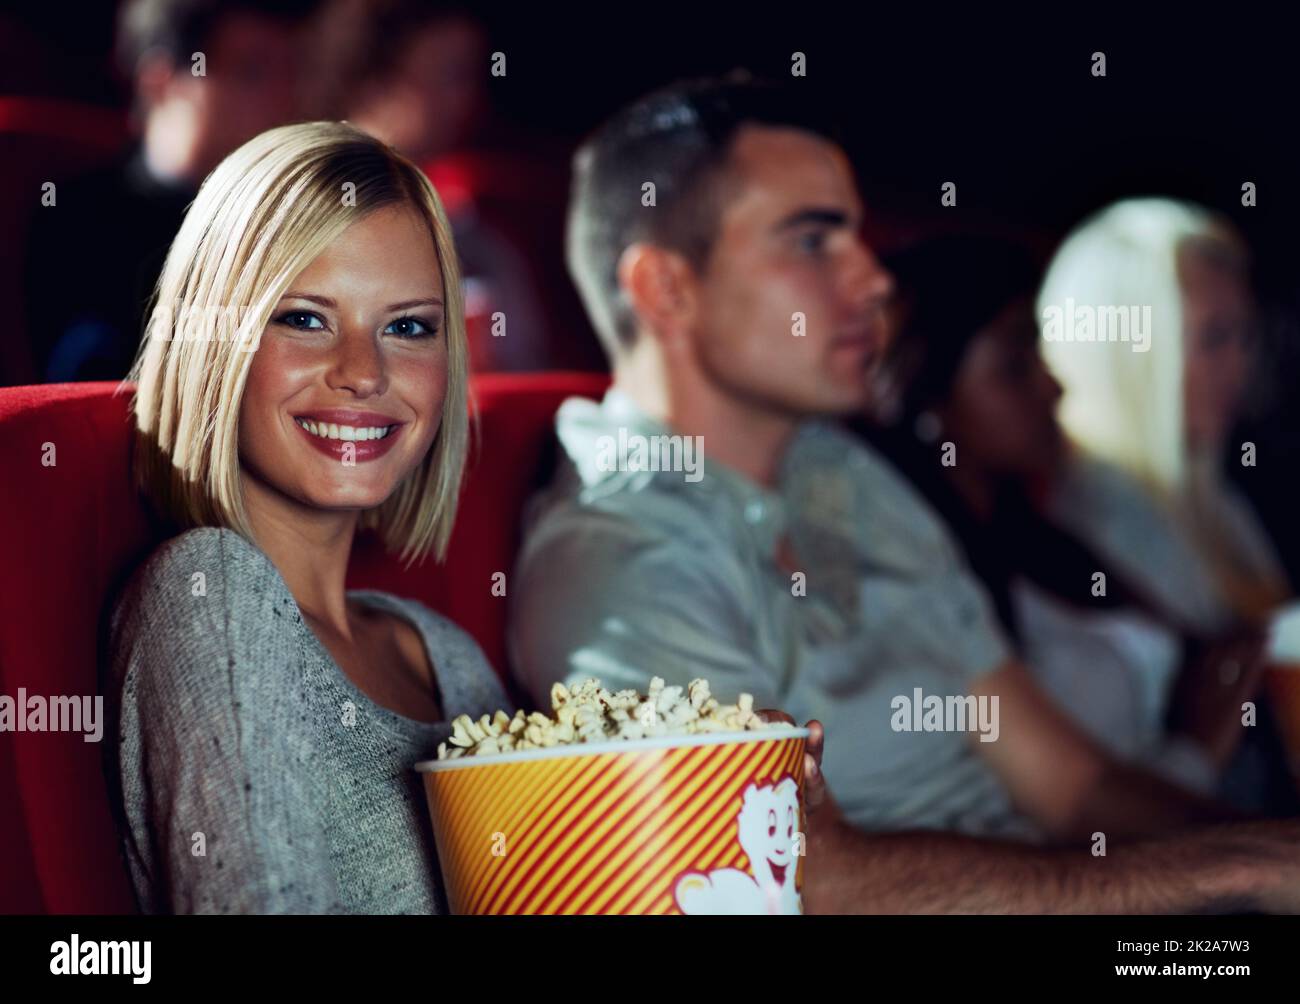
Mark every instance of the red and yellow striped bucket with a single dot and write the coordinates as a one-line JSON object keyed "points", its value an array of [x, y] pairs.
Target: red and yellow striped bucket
{"points": [[682, 824]]}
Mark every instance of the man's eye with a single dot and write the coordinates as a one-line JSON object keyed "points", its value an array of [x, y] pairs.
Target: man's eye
{"points": [[411, 327], [812, 241], [303, 320]]}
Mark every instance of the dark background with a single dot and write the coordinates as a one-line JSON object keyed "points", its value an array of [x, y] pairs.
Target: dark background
{"points": [[1007, 109]]}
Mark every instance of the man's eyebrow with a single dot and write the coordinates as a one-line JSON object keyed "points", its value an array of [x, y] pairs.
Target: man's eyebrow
{"points": [[803, 217], [325, 301]]}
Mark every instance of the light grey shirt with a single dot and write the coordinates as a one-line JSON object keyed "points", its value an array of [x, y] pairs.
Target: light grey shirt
{"points": [[251, 775], [628, 574]]}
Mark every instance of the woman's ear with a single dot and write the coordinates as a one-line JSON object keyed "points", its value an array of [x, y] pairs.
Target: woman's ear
{"points": [[659, 284]]}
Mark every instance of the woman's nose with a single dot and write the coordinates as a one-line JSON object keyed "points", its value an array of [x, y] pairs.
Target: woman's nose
{"points": [[358, 365], [1052, 389]]}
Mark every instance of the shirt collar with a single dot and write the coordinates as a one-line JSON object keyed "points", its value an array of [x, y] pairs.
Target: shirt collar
{"points": [[594, 433]]}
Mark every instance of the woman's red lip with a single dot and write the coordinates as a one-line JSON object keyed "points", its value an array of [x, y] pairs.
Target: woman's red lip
{"points": [[348, 451]]}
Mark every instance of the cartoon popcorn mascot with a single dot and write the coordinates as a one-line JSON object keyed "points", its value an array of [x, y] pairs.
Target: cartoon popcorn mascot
{"points": [[767, 824]]}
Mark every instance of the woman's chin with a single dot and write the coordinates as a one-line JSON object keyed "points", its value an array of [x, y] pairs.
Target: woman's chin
{"points": [[346, 501]]}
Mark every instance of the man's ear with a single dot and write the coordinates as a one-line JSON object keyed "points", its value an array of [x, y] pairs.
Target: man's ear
{"points": [[660, 286]]}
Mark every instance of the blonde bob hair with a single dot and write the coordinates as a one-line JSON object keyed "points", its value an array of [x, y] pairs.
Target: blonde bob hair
{"points": [[1122, 405], [259, 219]]}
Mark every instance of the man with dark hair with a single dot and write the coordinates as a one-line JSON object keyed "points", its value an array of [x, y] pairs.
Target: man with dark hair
{"points": [[205, 77], [707, 521], [679, 140]]}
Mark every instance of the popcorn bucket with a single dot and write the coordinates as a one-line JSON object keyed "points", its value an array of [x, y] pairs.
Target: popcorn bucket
{"points": [[706, 823]]}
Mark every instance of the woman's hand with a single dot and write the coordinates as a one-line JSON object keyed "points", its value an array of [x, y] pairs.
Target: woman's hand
{"points": [[814, 790]]}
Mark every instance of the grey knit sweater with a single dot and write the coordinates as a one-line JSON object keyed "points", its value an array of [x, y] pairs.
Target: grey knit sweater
{"points": [[240, 784]]}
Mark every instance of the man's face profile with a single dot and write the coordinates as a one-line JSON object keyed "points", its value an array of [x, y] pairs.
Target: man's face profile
{"points": [[791, 299]]}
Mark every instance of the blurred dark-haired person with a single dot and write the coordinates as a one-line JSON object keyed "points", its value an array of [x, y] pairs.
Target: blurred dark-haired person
{"points": [[410, 72], [205, 76], [967, 410], [707, 520], [415, 74]]}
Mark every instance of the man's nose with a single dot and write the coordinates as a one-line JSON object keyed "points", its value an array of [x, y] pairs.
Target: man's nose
{"points": [[358, 365], [870, 283]]}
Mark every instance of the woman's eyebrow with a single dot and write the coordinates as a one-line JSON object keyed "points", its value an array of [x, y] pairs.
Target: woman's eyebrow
{"points": [[428, 301], [325, 301]]}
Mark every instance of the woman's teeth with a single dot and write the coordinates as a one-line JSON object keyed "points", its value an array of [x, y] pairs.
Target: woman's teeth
{"points": [[347, 432]]}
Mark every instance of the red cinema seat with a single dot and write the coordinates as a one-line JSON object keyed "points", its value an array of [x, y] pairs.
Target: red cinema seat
{"points": [[76, 530]]}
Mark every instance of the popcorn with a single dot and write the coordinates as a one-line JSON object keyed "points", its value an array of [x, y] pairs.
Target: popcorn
{"points": [[589, 713]]}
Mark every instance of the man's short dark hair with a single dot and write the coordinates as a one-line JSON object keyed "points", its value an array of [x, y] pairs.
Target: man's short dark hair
{"points": [[679, 138]]}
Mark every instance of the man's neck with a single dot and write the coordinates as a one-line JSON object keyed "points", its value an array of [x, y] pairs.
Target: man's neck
{"points": [[741, 435]]}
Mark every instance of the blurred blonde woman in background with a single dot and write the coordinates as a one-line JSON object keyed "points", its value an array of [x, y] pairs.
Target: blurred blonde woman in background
{"points": [[1149, 416]]}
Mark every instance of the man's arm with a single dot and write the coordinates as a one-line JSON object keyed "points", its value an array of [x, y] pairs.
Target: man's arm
{"points": [[1065, 781], [1231, 867]]}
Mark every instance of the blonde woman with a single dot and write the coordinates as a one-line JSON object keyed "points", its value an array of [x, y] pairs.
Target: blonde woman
{"points": [[303, 375], [1147, 321]]}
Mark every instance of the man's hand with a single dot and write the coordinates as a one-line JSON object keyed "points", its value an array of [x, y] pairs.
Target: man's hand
{"points": [[814, 785]]}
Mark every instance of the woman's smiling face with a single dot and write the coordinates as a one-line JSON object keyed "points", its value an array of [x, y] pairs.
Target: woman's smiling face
{"points": [[345, 392]]}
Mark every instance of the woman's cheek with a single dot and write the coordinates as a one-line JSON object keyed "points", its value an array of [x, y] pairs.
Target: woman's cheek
{"points": [[279, 369], [421, 381]]}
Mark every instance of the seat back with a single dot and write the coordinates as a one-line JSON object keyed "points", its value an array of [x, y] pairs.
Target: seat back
{"points": [[76, 531]]}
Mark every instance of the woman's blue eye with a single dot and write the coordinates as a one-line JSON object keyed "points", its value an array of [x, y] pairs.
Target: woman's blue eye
{"points": [[300, 319], [410, 327]]}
